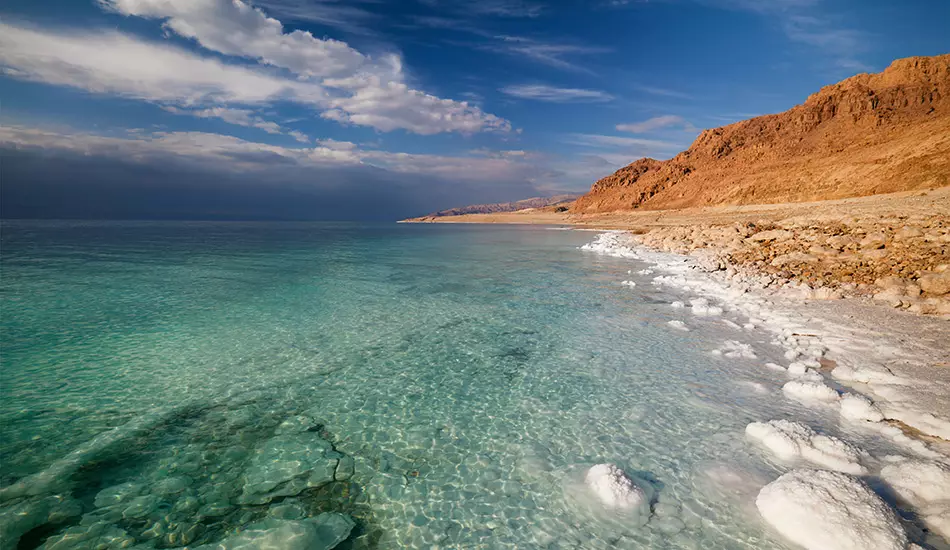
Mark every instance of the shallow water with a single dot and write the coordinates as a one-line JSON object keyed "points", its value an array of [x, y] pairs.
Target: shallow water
{"points": [[469, 372]]}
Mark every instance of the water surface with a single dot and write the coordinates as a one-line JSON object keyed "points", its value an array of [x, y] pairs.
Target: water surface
{"points": [[468, 372]]}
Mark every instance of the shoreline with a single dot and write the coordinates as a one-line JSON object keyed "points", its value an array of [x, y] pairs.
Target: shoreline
{"points": [[893, 248], [885, 373]]}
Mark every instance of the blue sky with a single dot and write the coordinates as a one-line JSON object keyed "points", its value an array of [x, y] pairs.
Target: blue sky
{"points": [[350, 108]]}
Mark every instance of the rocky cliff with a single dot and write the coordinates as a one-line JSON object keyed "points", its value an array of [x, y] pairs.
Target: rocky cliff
{"points": [[869, 134]]}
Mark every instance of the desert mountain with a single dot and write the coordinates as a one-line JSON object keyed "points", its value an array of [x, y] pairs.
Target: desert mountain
{"points": [[535, 202], [869, 134]]}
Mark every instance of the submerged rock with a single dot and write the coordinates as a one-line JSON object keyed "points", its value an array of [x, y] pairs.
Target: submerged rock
{"points": [[323, 532], [286, 465]]}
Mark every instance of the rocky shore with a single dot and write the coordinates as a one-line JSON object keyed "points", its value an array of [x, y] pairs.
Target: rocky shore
{"points": [[894, 249], [902, 262]]}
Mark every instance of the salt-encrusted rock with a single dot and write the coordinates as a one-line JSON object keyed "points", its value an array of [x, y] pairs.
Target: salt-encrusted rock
{"points": [[824, 510], [286, 465], [810, 390], [709, 261], [858, 407], [925, 485], [796, 441], [772, 235], [614, 489]]}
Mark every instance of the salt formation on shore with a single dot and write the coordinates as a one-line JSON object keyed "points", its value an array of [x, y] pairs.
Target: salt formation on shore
{"points": [[795, 441], [827, 509], [823, 510], [925, 485], [615, 489]]}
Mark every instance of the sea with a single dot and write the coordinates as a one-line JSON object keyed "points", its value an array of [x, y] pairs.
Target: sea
{"points": [[179, 384]]}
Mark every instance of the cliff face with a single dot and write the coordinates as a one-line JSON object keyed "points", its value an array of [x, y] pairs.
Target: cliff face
{"points": [[869, 134]]}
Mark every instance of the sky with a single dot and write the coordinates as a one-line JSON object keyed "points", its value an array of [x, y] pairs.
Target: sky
{"points": [[378, 110]]}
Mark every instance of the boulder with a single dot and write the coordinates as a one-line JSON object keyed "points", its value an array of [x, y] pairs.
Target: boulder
{"points": [[323, 532], [935, 284], [873, 241], [286, 465]]}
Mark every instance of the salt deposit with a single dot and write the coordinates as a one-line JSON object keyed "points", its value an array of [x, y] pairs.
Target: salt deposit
{"points": [[793, 441], [680, 325], [925, 485], [807, 390], [615, 489], [860, 408], [823, 510], [735, 349]]}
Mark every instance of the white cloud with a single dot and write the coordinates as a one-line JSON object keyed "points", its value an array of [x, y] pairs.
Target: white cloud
{"points": [[549, 53], [231, 153], [299, 136], [497, 8], [238, 117], [394, 105], [340, 14], [117, 64], [239, 29], [620, 141], [333, 78], [656, 123], [543, 92]]}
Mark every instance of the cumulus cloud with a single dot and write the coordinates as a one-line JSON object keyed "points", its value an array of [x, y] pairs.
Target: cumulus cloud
{"points": [[553, 94], [330, 76]]}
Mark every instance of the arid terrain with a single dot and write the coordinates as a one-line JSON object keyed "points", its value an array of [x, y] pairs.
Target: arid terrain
{"points": [[848, 193], [869, 134]]}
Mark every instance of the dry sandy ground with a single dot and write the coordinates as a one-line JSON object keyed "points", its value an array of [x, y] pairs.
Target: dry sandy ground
{"points": [[933, 203]]}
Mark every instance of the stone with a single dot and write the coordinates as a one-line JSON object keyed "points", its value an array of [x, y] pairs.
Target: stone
{"points": [[286, 465], [935, 284], [772, 235], [323, 532], [20, 518], [908, 232], [792, 258], [875, 254], [344, 469], [873, 241], [840, 242]]}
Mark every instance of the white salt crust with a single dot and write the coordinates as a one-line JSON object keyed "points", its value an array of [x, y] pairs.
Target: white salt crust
{"points": [[824, 510], [794, 441], [615, 489], [925, 485], [680, 325], [911, 396]]}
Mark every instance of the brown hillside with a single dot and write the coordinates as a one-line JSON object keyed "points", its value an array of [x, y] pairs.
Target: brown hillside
{"points": [[869, 134]]}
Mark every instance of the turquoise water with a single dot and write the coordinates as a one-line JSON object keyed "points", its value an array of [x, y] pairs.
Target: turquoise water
{"points": [[442, 385]]}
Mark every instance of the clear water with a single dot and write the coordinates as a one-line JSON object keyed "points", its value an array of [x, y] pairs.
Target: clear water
{"points": [[468, 371]]}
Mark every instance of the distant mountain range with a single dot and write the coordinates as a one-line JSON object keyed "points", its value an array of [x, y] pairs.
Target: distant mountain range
{"points": [[869, 134], [535, 202]]}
